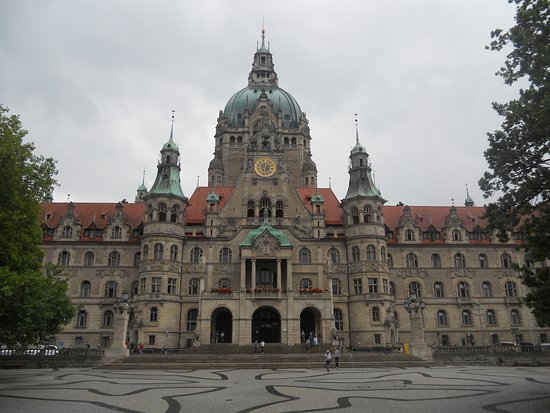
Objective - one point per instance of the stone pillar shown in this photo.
(279, 273)
(418, 346)
(243, 273)
(253, 275)
(118, 347)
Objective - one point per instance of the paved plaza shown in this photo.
(419, 389)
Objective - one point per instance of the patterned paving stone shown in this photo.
(441, 389)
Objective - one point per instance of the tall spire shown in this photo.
(356, 131)
(172, 127)
(469, 202)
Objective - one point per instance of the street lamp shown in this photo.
(480, 311)
(413, 303)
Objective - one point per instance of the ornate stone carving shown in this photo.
(413, 272)
(462, 272)
(111, 272)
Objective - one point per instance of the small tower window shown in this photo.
(162, 212)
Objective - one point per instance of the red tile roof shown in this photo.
(194, 213)
(334, 215)
(89, 213)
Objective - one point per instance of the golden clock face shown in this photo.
(265, 167)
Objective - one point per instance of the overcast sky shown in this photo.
(94, 83)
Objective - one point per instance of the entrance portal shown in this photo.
(310, 322)
(222, 326)
(266, 325)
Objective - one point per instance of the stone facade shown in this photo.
(263, 253)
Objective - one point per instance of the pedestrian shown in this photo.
(308, 345)
(140, 347)
(255, 346)
(262, 345)
(336, 357)
(303, 336)
(315, 341)
(217, 336)
(328, 358)
(222, 336)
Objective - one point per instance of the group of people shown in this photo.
(261, 346)
(312, 339)
(334, 355)
(219, 337)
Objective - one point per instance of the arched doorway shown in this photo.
(222, 326)
(310, 322)
(266, 325)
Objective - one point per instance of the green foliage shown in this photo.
(24, 181)
(33, 306)
(519, 152)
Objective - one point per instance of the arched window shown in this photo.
(392, 289)
(514, 317)
(145, 251)
(82, 319)
(250, 209)
(414, 290)
(175, 213)
(159, 251)
(371, 253)
(116, 233)
(153, 314)
(89, 258)
(64, 259)
(505, 260)
(441, 318)
(367, 214)
(336, 287)
(439, 292)
(279, 209)
(108, 319)
(114, 259)
(355, 253)
(67, 232)
(486, 289)
(456, 235)
(334, 255)
(85, 288)
(162, 212)
(483, 261)
(304, 256)
(375, 314)
(196, 254)
(173, 253)
(412, 260)
(460, 261)
(137, 259)
(225, 255)
(466, 318)
(510, 289)
(436, 261)
(383, 257)
(390, 261)
(355, 215)
(192, 315)
(194, 285)
(491, 317)
(110, 289)
(463, 289)
(224, 283)
(265, 207)
(338, 319)
(409, 235)
(305, 283)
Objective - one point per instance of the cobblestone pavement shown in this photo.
(439, 389)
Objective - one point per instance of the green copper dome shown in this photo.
(280, 236)
(246, 99)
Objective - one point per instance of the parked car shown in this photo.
(6, 351)
(44, 350)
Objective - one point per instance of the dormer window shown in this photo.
(456, 235)
(67, 232)
(262, 60)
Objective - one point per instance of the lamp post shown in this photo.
(414, 305)
(121, 307)
(479, 310)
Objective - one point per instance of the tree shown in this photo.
(33, 306)
(519, 152)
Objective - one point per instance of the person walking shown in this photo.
(336, 357)
(255, 346)
(328, 358)
(262, 345)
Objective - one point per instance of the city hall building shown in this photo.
(264, 253)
